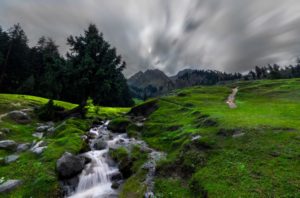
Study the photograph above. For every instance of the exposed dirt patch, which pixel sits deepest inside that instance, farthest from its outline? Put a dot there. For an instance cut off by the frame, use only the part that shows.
(231, 99)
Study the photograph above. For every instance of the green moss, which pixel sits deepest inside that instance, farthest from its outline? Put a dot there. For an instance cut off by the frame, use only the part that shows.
(170, 188)
(119, 124)
(134, 187)
(119, 154)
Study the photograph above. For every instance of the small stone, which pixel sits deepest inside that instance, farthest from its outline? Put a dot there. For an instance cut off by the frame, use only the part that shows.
(39, 147)
(8, 144)
(197, 137)
(236, 135)
(23, 147)
(117, 176)
(39, 150)
(38, 135)
(42, 128)
(11, 158)
(115, 185)
(9, 185)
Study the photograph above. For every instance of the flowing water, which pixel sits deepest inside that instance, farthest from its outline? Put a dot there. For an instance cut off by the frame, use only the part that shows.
(95, 181)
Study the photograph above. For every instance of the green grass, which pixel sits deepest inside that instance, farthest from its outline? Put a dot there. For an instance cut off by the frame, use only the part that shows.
(268, 114)
(38, 172)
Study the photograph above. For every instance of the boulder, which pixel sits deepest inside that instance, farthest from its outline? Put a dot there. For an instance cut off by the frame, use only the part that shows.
(9, 185)
(19, 117)
(69, 165)
(8, 144)
(23, 147)
(11, 158)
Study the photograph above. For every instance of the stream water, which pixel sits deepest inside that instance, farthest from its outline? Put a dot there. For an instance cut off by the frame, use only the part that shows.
(96, 179)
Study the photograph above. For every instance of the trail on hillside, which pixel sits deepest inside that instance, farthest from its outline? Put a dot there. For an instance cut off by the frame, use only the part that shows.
(231, 98)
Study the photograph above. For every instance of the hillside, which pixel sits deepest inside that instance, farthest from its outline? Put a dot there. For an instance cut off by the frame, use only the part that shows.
(35, 168)
(214, 151)
(198, 146)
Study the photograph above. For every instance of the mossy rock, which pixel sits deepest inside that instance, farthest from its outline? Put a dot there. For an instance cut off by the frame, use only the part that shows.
(144, 109)
(119, 125)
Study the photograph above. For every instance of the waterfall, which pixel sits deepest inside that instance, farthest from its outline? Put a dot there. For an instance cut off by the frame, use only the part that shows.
(95, 180)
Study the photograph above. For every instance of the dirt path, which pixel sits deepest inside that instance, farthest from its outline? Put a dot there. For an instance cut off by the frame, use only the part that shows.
(231, 98)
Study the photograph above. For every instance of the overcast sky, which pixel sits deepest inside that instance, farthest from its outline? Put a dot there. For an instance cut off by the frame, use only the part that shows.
(227, 35)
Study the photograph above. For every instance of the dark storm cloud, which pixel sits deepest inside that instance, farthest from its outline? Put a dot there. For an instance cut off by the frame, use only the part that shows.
(229, 35)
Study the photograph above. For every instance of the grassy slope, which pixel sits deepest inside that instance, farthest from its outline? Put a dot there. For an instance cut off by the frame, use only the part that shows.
(38, 172)
(268, 113)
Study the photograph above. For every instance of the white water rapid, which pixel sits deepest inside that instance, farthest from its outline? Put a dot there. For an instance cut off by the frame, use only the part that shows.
(101, 173)
(95, 180)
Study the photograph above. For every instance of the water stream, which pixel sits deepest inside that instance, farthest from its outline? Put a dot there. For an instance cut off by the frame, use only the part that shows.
(95, 181)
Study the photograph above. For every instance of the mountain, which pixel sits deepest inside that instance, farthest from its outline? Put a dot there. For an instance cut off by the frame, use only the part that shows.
(150, 83)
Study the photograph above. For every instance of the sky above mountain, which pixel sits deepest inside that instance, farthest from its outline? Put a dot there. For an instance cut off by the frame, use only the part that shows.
(227, 35)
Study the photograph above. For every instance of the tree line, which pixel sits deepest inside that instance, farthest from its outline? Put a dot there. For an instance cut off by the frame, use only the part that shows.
(274, 72)
(91, 69)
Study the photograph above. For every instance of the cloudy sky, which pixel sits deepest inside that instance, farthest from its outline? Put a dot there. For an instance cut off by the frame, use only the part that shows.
(227, 35)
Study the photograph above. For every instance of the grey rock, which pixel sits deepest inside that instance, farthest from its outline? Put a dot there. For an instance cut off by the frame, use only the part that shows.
(9, 185)
(115, 185)
(117, 176)
(39, 150)
(50, 131)
(19, 117)
(11, 158)
(42, 128)
(38, 135)
(197, 137)
(236, 135)
(39, 147)
(23, 147)
(69, 165)
(8, 144)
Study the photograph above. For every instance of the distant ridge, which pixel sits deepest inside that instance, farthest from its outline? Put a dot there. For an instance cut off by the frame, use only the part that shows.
(152, 83)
